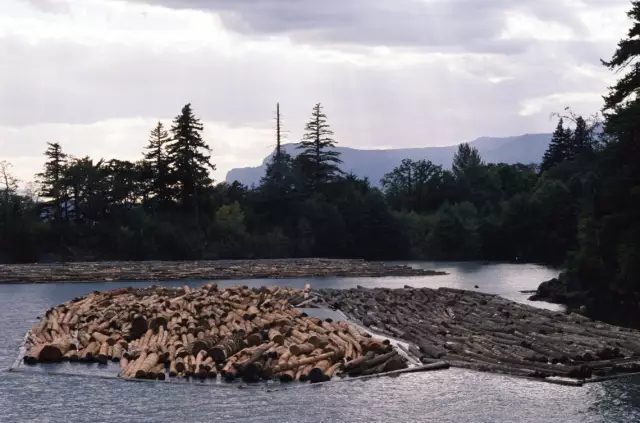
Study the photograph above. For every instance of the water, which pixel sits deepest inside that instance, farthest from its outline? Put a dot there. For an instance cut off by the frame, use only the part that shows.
(446, 396)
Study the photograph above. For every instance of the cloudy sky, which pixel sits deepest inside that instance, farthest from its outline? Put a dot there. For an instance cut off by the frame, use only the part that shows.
(95, 75)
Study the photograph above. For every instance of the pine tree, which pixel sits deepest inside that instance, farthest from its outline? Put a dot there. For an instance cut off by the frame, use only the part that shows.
(157, 162)
(556, 151)
(52, 179)
(580, 140)
(318, 162)
(189, 158)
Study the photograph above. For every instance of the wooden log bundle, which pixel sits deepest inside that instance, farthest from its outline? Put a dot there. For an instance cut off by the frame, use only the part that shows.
(203, 270)
(480, 331)
(237, 332)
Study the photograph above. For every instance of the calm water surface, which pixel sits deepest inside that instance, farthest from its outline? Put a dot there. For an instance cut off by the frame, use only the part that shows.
(445, 396)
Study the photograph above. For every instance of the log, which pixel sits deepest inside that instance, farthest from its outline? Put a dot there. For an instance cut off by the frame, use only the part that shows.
(72, 356)
(317, 373)
(299, 349)
(124, 363)
(275, 336)
(32, 355)
(100, 338)
(294, 364)
(158, 372)
(54, 352)
(202, 345)
(103, 354)
(89, 353)
(136, 366)
(287, 376)
(226, 348)
(372, 363)
(358, 361)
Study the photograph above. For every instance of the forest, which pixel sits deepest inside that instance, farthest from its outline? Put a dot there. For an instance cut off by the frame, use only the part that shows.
(580, 207)
(165, 206)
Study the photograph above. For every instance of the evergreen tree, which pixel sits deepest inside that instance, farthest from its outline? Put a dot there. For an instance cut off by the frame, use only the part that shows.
(190, 159)
(556, 152)
(608, 259)
(318, 162)
(52, 179)
(156, 161)
(581, 140)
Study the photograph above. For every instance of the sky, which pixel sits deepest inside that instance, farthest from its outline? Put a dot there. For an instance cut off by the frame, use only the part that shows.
(97, 75)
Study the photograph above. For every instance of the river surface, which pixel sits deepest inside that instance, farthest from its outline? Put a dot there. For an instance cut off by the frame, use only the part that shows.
(453, 395)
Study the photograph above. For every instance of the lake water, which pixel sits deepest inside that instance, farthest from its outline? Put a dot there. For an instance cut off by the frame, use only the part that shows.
(446, 396)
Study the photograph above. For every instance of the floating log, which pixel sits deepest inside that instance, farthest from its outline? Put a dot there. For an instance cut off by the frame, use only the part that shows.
(103, 354)
(226, 348)
(299, 349)
(54, 352)
(253, 334)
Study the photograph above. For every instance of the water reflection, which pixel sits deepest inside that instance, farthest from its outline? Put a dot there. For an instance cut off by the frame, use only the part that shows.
(446, 396)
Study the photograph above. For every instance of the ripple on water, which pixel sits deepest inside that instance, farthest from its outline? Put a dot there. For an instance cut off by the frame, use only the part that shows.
(446, 396)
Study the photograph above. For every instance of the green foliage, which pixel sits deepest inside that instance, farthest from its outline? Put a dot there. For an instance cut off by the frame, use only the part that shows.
(414, 185)
(156, 164)
(189, 159)
(556, 153)
(318, 163)
(454, 233)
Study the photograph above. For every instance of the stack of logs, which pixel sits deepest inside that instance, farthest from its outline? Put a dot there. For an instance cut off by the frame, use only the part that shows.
(182, 332)
(490, 333)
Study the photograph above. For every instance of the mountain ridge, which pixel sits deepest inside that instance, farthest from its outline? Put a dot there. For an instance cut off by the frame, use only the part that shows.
(373, 164)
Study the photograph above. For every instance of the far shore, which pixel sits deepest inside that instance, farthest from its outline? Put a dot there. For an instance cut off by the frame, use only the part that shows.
(201, 270)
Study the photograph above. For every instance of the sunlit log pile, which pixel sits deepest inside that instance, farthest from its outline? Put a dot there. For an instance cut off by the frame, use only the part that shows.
(252, 334)
(487, 332)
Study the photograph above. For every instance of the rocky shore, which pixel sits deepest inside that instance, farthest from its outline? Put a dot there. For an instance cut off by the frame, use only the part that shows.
(201, 270)
(611, 307)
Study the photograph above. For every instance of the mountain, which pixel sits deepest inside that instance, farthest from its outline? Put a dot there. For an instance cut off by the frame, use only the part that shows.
(373, 164)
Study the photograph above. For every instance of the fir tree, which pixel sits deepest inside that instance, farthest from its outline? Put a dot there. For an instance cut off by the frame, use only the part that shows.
(52, 179)
(318, 162)
(556, 152)
(189, 158)
(157, 163)
(581, 139)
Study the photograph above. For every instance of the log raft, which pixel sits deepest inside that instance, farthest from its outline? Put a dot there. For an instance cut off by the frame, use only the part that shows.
(484, 332)
(202, 270)
(257, 334)
(240, 333)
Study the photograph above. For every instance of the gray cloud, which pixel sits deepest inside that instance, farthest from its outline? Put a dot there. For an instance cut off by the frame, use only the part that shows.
(56, 81)
(62, 84)
(462, 25)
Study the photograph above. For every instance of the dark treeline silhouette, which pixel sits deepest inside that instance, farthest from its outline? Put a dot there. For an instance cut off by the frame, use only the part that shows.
(580, 207)
(165, 206)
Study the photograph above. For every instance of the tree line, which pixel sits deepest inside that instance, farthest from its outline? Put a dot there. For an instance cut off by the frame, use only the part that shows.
(166, 206)
(580, 207)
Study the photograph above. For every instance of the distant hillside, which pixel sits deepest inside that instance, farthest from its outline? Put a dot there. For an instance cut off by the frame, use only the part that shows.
(373, 164)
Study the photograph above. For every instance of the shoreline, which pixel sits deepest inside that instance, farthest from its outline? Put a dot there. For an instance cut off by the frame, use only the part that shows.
(168, 271)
